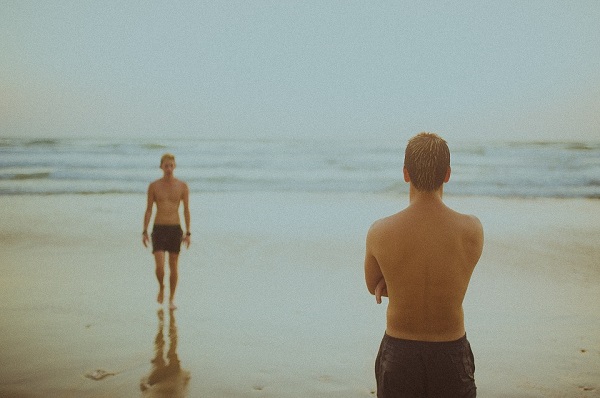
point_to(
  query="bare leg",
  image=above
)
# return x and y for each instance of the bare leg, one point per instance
(173, 277)
(159, 259)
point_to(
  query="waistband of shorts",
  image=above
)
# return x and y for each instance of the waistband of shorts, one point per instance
(419, 343)
(167, 226)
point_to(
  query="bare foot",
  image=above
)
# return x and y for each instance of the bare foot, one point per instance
(172, 305)
(161, 296)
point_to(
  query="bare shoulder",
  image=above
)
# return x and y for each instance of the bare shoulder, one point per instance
(154, 183)
(383, 225)
(182, 186)
(471, 220)
(473, 229)
(152, 186)
(474, 223)
(375, 229)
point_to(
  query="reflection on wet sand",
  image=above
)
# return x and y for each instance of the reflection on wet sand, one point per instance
(166, 378)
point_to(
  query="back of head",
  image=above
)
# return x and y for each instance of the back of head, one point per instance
(427, 159)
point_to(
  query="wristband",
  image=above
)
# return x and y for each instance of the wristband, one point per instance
(145, 233)
(188, 233)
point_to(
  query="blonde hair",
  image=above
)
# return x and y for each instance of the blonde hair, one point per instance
(427, 159)
(167, 156)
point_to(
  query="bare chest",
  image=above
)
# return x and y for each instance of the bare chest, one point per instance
(168, 193)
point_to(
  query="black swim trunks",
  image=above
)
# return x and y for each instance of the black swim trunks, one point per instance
(408, 368)
(166, 238)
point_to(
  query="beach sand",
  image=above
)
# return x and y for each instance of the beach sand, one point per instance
(272, 301)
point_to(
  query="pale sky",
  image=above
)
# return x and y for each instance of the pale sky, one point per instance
(465, 69)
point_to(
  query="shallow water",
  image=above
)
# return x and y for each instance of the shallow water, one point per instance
(87, 166)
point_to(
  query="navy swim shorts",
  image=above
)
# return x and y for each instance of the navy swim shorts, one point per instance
(166, 238)
(408, 368)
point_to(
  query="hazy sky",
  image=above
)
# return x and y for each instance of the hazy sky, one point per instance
(466, 69)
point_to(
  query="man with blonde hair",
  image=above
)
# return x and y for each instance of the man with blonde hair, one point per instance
(167, 235)
(422, 259)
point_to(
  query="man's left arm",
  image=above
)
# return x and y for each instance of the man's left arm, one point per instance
(381, 290)
(185, 198)
(373, 274)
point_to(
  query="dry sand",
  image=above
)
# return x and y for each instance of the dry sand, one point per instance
(272, 301)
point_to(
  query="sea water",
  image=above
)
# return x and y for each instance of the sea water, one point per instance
(98, 166)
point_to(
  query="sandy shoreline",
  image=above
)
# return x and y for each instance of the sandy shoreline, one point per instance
(271, 297)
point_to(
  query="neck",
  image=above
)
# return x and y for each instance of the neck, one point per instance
(416, 196)
(168, 177)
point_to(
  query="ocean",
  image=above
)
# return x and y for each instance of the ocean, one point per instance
(101, 166)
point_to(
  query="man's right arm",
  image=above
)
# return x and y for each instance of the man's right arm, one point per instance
(476, 239)
(148, 214)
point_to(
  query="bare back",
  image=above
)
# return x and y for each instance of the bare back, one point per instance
(426, 254)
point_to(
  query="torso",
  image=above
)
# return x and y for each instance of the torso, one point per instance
(167, 195)
(427, 255)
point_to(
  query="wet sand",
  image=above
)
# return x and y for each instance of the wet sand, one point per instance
(272, 301)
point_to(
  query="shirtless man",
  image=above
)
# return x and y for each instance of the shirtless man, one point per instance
(167, 235)
(422, 259)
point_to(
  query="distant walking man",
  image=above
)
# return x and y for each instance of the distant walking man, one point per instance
(422, 258)
(167, 235)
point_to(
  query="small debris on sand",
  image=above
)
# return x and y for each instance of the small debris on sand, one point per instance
(99, 374)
